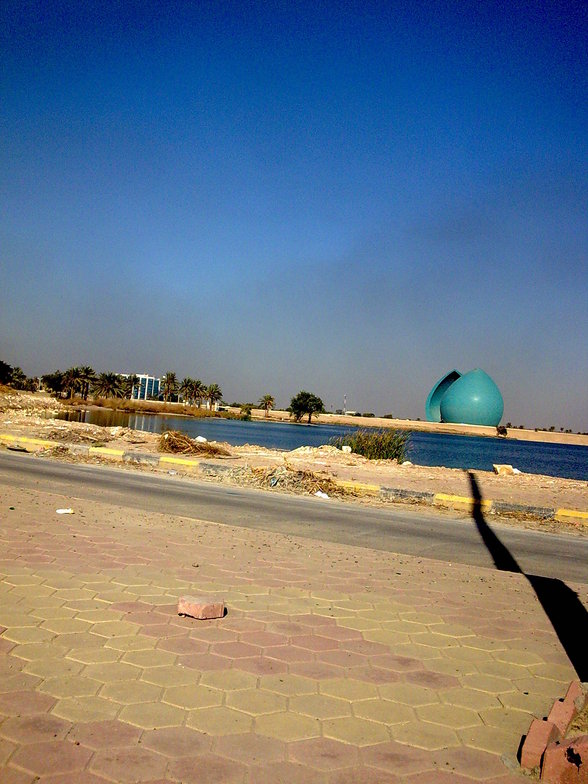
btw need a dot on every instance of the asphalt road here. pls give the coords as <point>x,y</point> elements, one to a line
<point>410,531</point>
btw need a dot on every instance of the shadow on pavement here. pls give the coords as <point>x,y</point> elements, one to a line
<point>561,605</point>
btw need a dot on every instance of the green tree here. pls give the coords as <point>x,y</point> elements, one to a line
<point>19,379</point>
<point>72,381</point>
<point>87,378</point>
<point>169,385</point>
<point>305,403</point>
<point>108,385</point>
<point>5,373</point>
<point>187,390</point>
<point>54,382</point>
<point>267,402</point>
<point>129,383</point>
<point>213,394</point>
<point>198,391</point>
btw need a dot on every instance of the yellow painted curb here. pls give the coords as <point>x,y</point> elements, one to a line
<point>104,451</point>
<point>25,440</point>
<point>358,487</point>
<point>183,461</point>
<point>565,514</point>
<point>460,502</point>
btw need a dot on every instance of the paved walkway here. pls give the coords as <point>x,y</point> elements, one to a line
<point>333,665</point>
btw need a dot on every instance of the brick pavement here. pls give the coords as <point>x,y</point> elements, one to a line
<point>334,664</point>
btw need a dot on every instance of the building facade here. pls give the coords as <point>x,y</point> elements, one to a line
<point>148,387</point>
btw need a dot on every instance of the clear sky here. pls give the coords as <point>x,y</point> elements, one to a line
<point>348,197</point>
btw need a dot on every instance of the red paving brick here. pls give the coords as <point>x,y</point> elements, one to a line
<point>311,632</point>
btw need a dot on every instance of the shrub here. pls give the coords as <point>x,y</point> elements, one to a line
<point>377,444</point>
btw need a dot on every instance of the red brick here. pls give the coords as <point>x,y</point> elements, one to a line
<point>566,762</point>
<point>201,607</point>
<point>540,734</point>
<point>564,711</point>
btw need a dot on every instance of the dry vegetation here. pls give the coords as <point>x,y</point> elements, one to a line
<point>181,444</point>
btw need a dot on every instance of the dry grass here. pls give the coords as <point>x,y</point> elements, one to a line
<point>147,407</point>
<point>181,444</point>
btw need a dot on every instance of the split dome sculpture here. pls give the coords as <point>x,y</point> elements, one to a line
<point>469,399</point>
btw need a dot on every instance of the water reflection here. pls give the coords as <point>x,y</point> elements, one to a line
<point>431,449</point>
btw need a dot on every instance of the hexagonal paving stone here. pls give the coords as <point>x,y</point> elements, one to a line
<point>176,741</point>
<point>287,726</point>
<point>469,698</point>
<point>348,689</point>
<point>112,671</point>
<point>115,629</point>
<point>129,765</point>
<point>359,732</point>
<point>49,668</point>
<point>398,759</point>
<point>323,754</point>
<point>220,720</point>
<point>131,692</point>
<point>152,715</point>
<point>256,701</point>
<point>228,680</point>
<point>50,757</point>
<point>137,642</point>
<point>70,686</point>
<point>168,676</point>
<point>449,716</point>
<point>383,711</point>
<point>149,658</point>
<point>82,709</point>
<point>408,694</point>
<point>93,655</point>
<point>28,634</point>
<point>250,749</point>
<point>424,735</point>
<point>291,773</point>
<point>320,706</point>
<point>207,769</point>
<point>35,728</point>
<point>23,703</point>
<point>105,734</point>
<point>193,696</point>
<point>288,684</point>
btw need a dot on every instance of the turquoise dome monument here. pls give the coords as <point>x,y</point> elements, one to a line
<point>470,399</point>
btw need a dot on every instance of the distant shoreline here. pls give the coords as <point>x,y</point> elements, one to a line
<point>542,436</point>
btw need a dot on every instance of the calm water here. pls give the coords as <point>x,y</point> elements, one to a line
<point>431,449</point>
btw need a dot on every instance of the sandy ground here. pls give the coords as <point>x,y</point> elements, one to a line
<point>30,415</point>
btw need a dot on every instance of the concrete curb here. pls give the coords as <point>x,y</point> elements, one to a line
<point>397,494</point>
<point>544,749</point>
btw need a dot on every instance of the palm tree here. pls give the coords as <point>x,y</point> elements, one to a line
<point>108,385</point>
<point>213,394</point>
<point>129,383</point>
<point>87,378</point>
<point>19,378</point>
<point>267,402</point>
<point>73,381</point>
<point>169,385</point>
<point>198,391</point>
<point>187,390</point>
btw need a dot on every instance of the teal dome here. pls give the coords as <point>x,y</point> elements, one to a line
<point>433,404</point>
<point>473,399</point>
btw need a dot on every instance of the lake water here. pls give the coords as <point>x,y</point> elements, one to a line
<point>431,449</point>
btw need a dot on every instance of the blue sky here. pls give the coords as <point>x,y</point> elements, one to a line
<point>347,197</point>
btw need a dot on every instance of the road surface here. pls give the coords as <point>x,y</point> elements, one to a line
<point>410,531</point>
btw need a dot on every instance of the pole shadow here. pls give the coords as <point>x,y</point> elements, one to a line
<point>561,605</point>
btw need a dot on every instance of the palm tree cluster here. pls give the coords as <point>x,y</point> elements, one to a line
<point>83,381</point>
<point>193,391</point>
<point>16,378</point>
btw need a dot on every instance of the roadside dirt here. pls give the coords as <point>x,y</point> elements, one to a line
<point>304,470</point>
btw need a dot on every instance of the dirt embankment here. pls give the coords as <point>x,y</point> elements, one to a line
<point>23,414</point>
